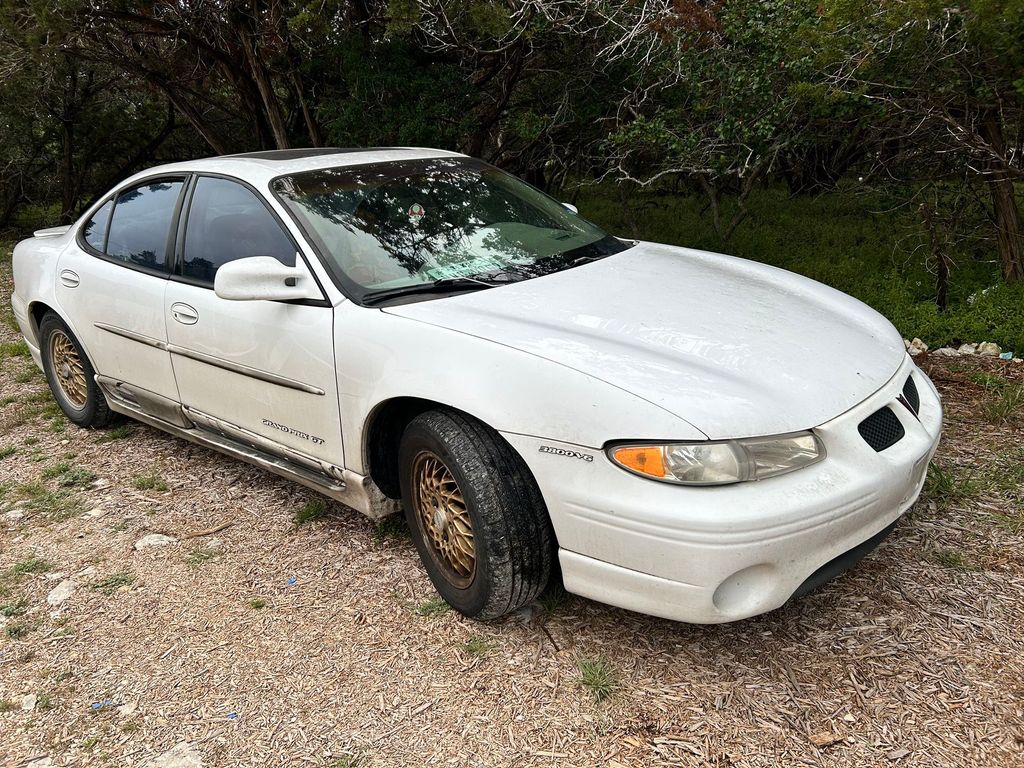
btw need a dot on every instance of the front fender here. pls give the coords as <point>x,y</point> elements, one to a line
<point>382,356</point>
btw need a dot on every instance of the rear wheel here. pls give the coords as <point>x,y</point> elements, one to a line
<point>475,513</point>
<point>70,375</point>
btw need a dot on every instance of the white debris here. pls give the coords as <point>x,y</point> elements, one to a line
<point>41,762</point>
<point>96,512</point>
<point>28,703</point>
<point>214,544</point>
<point>61,592</point>
<point>917,347</point>
<point>968,349</point>
<point>154,540</point>
<point>906,343</point>
<point>13,515</point>
<point>989,349</point>
<point>181,755</point>
<point>946,352</point>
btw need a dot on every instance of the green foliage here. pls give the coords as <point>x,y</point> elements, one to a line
<point>34,565</point>
<point>150,483</point>
<point>432,607</point>
<point>311,510</point>
<point>599,676</point>
<point>949,484</point>
<point>114,582</point>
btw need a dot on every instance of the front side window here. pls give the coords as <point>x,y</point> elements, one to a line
<point>141,223</point>
<point>95,230</point>
<point>227,221</point>
<point>392,226</point>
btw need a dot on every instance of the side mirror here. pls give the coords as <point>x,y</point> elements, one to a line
<point>264,278</point>
<point>571,207</point>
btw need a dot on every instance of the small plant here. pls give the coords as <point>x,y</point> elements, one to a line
<point>9,706</point>
<point>15,609</point>
<point>1005,406</point>
<point>7,451</point>
<point>599,676</point>
<point>76,477</point>
<point>477,646</point>
<point>349,761</point>
<point>32,565</point>
<point>553,598</point>
<point>949,558</point>
<point>113,582</point>
<point>120,432</point>
<point>432,607</point>
<point>150,483</point>
<point>57,505</point>
<point>55,470</point>
<point>946,485</point>
<point>987,380</point>
<point>311,510</point>
<point>392,527</point>
<point>10,349</point>
<point>258,604</point>
<point>44,702</point>
<point>18,631</point>
<point>201,556</point>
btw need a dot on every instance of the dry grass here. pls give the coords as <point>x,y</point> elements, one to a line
<point>322,644</point>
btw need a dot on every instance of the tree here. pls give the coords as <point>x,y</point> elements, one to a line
<point>945,85</point>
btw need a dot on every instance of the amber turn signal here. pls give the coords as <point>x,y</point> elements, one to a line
<point>644,459</point>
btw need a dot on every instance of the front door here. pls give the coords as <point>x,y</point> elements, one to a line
<point>261,372</point>
<point>111,282</point>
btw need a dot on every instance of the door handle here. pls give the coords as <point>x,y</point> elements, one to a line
<point>69,278</point>
<point>184,314</point>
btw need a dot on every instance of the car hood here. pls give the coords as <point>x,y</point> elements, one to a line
<point>733,347</point>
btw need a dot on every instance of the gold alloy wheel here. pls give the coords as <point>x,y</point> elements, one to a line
<point>443,518</point>
<point>68,369</point>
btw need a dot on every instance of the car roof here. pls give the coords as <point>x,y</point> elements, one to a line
<point>258,168</point>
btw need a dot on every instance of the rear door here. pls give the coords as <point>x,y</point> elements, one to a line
<point>111,283</point>
<point>259,371</point>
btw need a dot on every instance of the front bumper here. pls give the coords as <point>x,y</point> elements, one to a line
<point>717,554</point>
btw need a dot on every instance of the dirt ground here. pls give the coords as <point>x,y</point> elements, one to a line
<point>303,634</point>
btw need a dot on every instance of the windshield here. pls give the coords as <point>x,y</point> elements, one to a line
<point>391,226</point>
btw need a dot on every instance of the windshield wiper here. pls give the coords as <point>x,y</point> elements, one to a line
<point>443,285</point>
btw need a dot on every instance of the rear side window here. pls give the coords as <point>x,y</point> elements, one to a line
<point>95,230</point>
<point>227,221</point>
<point>141,223</point>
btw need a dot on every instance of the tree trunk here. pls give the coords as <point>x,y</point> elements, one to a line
<point>1009,237</point>
<point>271,106</point>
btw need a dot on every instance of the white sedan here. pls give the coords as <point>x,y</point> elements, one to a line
<point>691,435</point>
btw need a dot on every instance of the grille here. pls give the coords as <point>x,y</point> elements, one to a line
<point>881,429</point>
<point>910,392</point>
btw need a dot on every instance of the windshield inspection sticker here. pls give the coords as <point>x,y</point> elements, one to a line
<point>416,212</point>
<point>564,452</point>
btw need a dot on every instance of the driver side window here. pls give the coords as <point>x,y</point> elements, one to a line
<point>227,221</point>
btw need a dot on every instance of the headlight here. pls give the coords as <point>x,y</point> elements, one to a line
<point>720,462</point>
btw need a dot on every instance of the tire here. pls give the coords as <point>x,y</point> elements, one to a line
<point>70,374</point>
<point>512,539</point>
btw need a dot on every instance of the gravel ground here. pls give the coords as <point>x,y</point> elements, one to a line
<point>262,641</point>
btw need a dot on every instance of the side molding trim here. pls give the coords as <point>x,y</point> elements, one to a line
<point>202,357</point>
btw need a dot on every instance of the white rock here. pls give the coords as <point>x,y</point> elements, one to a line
<point>917,347</point>
<point>968,349</point>
<point>96,512</point>
<point>946,352</point>
<point>906,343</point>
<point>154,540</point>
<point>181,755</point>
<point>61,592</point>
<point>28,703</point>
<point>13,515</point>
<point>100,482</point>
<point>214,544</point>
<point>989,349</point>
<point>41,762</point>
<point>89,570</point>
<point>127,709</point>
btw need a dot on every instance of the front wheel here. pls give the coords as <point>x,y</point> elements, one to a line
<point>475,513</point>
<point>70,375</point>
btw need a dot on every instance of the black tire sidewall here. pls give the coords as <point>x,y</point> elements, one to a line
<point>95,405</point>
<point>472,599</point>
